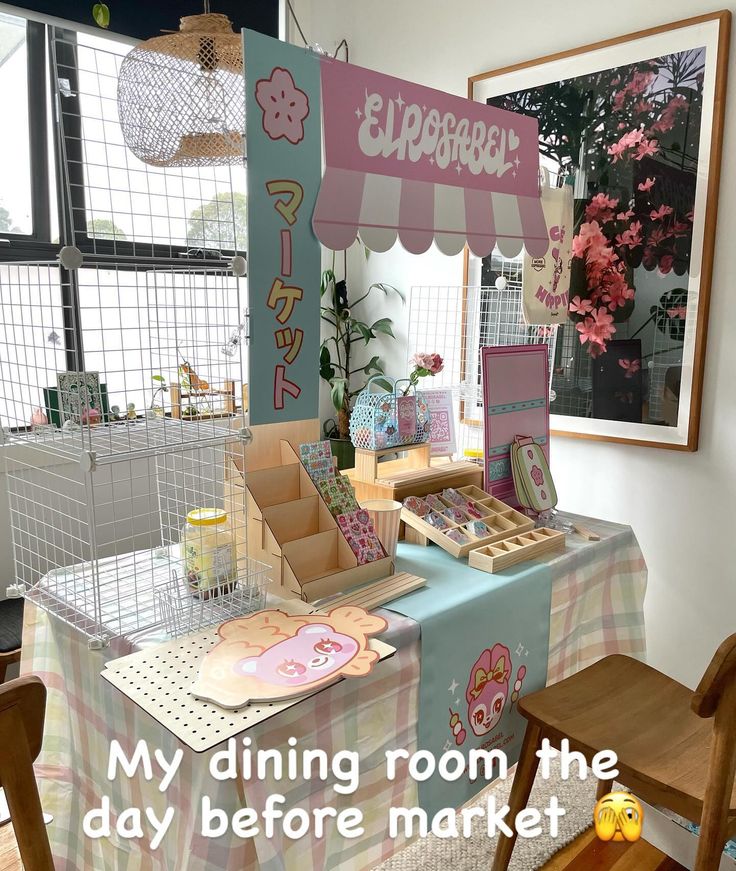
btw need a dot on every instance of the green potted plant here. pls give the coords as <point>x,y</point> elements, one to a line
<point>341,363</point>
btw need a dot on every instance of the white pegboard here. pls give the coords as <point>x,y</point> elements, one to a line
<point>158,680</point>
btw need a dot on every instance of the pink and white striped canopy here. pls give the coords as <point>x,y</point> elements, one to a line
<point>403,160</point>
<point>382,207</point>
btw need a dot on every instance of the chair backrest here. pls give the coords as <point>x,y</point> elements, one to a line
<point>719,677</point>
<point>26,695</point>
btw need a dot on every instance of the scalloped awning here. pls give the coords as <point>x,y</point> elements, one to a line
<point>408,162</point>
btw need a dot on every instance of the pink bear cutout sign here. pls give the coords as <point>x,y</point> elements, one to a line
<point>274,656</point>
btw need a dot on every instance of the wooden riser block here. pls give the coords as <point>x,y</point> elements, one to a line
<point>377,594</point>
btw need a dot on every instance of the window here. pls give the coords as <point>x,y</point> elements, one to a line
<point>134,223</point>
<point>24,154</point>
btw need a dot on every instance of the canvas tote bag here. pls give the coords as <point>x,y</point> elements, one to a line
<point>546,280</point>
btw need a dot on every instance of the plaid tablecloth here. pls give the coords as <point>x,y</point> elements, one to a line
<point>597,599</point>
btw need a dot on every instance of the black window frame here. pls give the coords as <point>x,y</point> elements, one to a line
<point>36,245</point>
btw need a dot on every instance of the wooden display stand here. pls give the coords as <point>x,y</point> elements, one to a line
<point>415,474</point>
<point>226,396</point>
<point>290,528</point>
<point>518,549</point>
<point>501,519</point>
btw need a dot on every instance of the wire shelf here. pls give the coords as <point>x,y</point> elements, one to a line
<point>182,612</point>
<point>121,440</point>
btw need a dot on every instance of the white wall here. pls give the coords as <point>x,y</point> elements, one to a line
<point>680,505</point>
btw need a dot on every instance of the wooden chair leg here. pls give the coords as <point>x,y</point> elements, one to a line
<point>721,771</point>
<point>3,669</point>
<point>604,787</point>
<point>526,771</point>
<point>21,791</point>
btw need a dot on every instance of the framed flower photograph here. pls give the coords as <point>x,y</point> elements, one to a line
<point>634,126</point>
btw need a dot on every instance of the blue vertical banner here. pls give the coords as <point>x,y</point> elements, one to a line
<point>283,146</point>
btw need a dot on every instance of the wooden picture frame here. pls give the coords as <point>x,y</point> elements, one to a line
<point>706,35</point>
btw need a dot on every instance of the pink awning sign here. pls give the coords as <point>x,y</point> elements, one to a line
<point>409,161</point>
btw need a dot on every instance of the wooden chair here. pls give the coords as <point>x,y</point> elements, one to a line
<point>11,632</point>
<point>22,711</point>
<point>675,748</point>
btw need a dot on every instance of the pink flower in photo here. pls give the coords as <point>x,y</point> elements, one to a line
<point>601,208</point>
<point>632,139</point>
<point>661,212</point>
<point>646,185</point>
<point>284,106</point>
<point>630,238</point>
<point>581,306</point>
<point>668,117</point>
<point>679,311</point>
<point>537,475</point>
<point>624,216</point>
<point>597,329</point>
<point>645,148</point>
<point>615,292</point>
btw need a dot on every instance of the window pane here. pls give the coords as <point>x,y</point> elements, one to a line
<point>140,325</point>
<point>127,200</point>
<point>31,341</point>
<point>15,166</point>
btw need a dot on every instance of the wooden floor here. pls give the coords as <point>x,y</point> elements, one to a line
<point>9,856</point>
<point>587,853</point>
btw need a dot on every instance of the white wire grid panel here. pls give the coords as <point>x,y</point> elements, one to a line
<point>118,204</point>
<point>456,322</point>
<point>122,379</point>
<point>95,547</point>
<point>158,340</point>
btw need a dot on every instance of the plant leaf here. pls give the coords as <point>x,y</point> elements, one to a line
<point>383,325</point>
<point>101,15</point>
<point>157,378</point>
<point>387,385</point>
<point>365,331</point>
<point>337,393</point>
<point>328,282</point>
<point>372,366</point>
<point>388,288</point>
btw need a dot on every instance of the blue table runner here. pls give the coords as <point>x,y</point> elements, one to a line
<point>483,638</point>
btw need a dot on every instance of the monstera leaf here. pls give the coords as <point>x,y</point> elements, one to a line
<point>669,315</point>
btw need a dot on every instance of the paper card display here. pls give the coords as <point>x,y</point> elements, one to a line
<point>338,494</point>
<point>271,655</point>
<point>317,459</point>
<point>442,432</point>
<point>515,400</point>
<point>358,530</point>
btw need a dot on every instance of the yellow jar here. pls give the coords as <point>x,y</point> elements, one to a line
<point>208,552</point>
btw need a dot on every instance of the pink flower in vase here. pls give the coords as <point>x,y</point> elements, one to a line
<point>433,363</point>
<point>284,106</point>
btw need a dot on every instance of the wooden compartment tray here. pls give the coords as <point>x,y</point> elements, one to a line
<point>501,519</point>
<point>518,549</point>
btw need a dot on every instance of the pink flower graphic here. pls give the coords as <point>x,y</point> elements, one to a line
<point>537,475</point>
<point>679,311</point>
<point>284,106</point>
<point>631,367</point>
<point>661,212</point>
<point>646,185</point>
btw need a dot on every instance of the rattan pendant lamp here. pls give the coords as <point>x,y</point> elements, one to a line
<point>181,96</point>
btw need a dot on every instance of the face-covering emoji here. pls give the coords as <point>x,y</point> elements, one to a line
<point>618,817</point>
